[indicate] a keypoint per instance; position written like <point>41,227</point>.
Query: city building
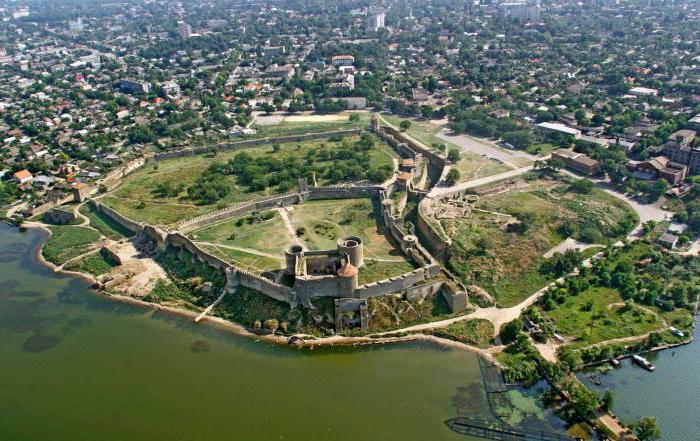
<point>184,30</point>
<point>343,60</point>
<point>680,149</point>
<point>576,161</point>
<point>132,87</point>
<point>660,168</point>
<point>527,10</point>
<point>375,20</point>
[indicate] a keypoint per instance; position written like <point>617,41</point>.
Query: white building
<point>184,30</point>
<point>375,20</point>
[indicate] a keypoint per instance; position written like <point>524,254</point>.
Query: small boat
<point>614,362</point>
<point>643,362</point>
<point>677,332</point>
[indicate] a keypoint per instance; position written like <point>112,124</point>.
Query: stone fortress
<point>321,273</point>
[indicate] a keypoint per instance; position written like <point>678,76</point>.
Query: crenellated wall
<point>255,142</point>
<point>392,285</point>
<point>437,245</point>
<point>119,218</point>
<point>240,209</point>
<point>410,283</point>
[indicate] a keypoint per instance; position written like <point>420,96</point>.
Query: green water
<point>76,366</point>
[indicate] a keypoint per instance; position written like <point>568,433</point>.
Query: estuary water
<point>671,393</point>
<point>77,366</point>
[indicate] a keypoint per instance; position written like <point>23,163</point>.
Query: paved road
<point>484,147</point>
<point>438,191</point>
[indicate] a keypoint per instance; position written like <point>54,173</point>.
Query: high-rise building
<point>375,19</point>
<point>76,25</point>
<point>525,9</point>
<point>184,30</point>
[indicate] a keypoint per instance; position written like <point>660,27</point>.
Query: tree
<point>453,155</point>
<point>647,429</point>
<point>354,117</point>
<point>510,331</point>
<point>520,138</point>
<point>452,177</point>
<point>608,400</point>
<point>582,186</point>
<point>405,125</point>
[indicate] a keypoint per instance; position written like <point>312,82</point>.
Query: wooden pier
<point>497,431</point>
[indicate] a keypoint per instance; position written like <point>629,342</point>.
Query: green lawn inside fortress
<point>68,242</point>
<point>257,242</point>
<point>506,263</point>
<point>136,198</point>
<point>313,125</point>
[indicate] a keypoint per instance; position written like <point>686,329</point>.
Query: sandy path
<point>284,214</point>
<point>242,249</point>
<point>568,244</point>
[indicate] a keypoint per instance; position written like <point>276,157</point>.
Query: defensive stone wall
<point>122,220</point>
<point>344,192</point>
<point>422,291</point>
<point>276,201</point>
<point>267,287</point>
<point>392,285</point>
<point>191,151</point>
<point>437,245</point>
<point>407,146</point>
<point>240,277</point>
<point>43,208</point>
<point>240,209</point>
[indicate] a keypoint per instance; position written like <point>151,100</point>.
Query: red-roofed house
<point>23,176</point>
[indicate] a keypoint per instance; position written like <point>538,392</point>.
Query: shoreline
<point>242,331</point>
<point>302,340</point>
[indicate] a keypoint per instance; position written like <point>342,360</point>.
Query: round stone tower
<point>347,279</point>
<point>352,247</point>
<point>290,257</point>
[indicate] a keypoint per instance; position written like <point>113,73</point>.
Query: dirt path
<point>626,339</point>
<point>81,256</point>
<point>497,316</point>
<point>242,249</point>
<point>569,244</point>
<point>86,220</point>
<point>284,214</point>
<point>437,191</point>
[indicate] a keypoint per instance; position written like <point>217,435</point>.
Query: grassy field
<point>470,165</point>
<point>104,224</point>
<point>247,261</point>
<point>136,199</point>
<point>67,242</point>
<point>505,262</point>
<point>328,220</point>
<point>95,264</point>
<point>377,270</point>
<point>477,332</point>
<point>267,236</point>
<point>293,125</point>
<point>259,242</point>
<point>597,315</point>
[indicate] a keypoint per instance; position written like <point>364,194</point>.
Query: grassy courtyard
<point>104,224</point>
<point>95,264</point>
<point>500,245</point>
<point>299,124</point>
<point>180,188</point>
<point>257,242</point>
<point>67,242</point>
